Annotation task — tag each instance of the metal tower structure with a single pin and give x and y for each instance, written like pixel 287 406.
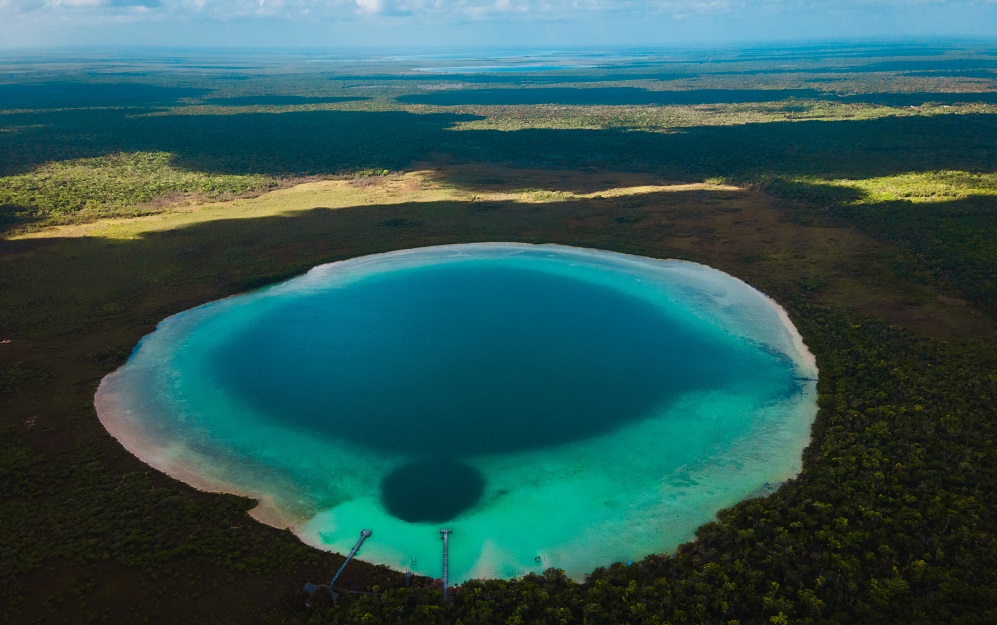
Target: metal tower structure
pixel 363 536
pixel 446 562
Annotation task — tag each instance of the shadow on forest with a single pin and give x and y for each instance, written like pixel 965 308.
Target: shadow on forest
pixel 957 238
pixel 199 262
pixel 776 154
pixel 231 255
pixel 66 94
pixel 277 100
pixel 12 215
pixel 327 142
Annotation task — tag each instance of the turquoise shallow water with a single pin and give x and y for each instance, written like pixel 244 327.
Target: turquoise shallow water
pixel 553 406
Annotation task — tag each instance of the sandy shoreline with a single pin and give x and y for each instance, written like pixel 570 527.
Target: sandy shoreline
pixel 163 458
pixel 801 348
pixel 179 462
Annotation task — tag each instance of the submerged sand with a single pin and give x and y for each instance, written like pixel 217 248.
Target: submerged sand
pixel 336 528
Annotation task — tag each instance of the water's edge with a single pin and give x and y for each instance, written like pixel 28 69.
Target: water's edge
pixel 162 457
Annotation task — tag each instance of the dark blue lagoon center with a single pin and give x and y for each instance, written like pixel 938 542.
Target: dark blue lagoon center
pixel 494 387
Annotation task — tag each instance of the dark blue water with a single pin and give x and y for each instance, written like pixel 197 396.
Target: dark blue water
pixel 449 362
pixel 431 491
pixel 456 361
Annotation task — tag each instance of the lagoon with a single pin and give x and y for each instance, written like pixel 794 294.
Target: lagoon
pixel 554 406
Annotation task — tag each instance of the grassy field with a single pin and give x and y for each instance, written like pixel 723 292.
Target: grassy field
pixel 80 142
pixel 873 224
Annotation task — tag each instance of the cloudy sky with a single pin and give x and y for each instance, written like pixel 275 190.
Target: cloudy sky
pixel 537 23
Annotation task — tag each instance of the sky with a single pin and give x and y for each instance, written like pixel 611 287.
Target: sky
pixel 482 23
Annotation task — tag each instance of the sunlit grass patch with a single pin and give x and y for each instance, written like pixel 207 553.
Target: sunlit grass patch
pixel 652 118
pixel 930 186
pixel 915 187
pixel 369 188
pixel 124 182
pixel 542 196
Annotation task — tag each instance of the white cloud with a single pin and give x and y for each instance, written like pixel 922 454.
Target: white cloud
pixel 487 22
pixel 456 8
pixel 370 6
pixel 79 3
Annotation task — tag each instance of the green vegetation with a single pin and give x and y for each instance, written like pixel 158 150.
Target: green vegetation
pixel 932 186
pixel 81 144
pixel 669 118
pixel 872 222
pixel 947 219
pixel 123 183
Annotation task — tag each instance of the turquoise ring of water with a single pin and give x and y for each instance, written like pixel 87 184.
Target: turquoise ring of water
pixel 554 406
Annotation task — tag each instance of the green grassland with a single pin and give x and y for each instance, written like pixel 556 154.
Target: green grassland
pixel 127 198
pixel 121 183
